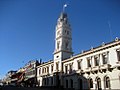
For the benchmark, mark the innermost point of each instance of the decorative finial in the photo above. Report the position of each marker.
(116, 39)
(92, 48)
(103, 43)
(64, 6)
(82, 51)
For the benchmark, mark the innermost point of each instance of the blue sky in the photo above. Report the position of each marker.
(27, 28)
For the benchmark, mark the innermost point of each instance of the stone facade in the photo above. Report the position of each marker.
(97, 68)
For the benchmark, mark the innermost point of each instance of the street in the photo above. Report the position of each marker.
(31, 88)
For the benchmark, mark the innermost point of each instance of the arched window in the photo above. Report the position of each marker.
(107, 82)
(98, 80)
(90, 81)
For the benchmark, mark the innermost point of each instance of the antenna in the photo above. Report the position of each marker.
(110, 30)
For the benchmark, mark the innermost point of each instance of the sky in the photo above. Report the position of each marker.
(27, 28)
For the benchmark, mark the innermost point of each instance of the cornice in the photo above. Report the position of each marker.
(63, 36)
(94, 50)
(55, 52)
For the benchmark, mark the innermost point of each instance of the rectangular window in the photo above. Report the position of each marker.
(89, 63)
(105, 58)
(40, 71)
(57, 68)
(66, 69)
(79, 64)
(118, 55)
(51, 68)
(70, 68)
(96, 59)
(47, 69)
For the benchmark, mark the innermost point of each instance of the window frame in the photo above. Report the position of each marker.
(97, 60)
(66, 69)
(107, 82)
(89, 62)
(105, 58)
(79, 65)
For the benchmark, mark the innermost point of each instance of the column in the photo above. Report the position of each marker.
(102, 83)
(68, 66)
(101, 61)
(93, 63)
(94, 84)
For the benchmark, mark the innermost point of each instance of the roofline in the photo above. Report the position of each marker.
(44, 64)
(93, 50)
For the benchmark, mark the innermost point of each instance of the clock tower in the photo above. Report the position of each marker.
(63, 41)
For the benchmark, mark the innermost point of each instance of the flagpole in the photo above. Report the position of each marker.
(64, 6)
